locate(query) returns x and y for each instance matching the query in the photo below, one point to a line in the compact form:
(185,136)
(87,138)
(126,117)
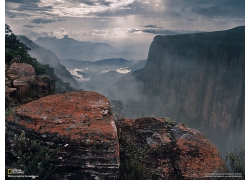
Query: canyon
(197,78)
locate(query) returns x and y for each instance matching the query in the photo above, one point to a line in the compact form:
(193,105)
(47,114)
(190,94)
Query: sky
(123,22)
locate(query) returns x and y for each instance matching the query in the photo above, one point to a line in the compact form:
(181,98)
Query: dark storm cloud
(217,10)
(26,7)
(182,9)
(151,26)
(45,21)
(93,2)
(22,1)
(30,26)
(34,7)
(168,32)
(211,8)
(162,32)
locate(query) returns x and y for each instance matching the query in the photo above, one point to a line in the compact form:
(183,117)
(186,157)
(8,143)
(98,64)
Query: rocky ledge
(80,123)
(22,84)
(175,151)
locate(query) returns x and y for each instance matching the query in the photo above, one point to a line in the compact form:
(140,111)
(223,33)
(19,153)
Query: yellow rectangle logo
(9,171)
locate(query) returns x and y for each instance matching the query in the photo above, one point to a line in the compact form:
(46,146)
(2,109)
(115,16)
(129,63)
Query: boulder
(175,151)
(80,124)
(22,69)
(22,77)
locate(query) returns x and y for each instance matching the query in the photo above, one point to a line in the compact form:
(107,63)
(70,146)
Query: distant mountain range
(99,75)
(68,48)
(74,63)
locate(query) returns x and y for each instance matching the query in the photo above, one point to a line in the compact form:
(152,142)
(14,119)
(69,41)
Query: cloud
(229,10)
(133,30)
(151,26)
(162,32)
(45,21)
(30,26)
(62,31)
(168,32)
(96,19)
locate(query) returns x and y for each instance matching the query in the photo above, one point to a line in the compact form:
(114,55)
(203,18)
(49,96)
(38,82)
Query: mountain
(99,75)
(194,78)
(99,83)
(45,56)
(68,48)
(74,63)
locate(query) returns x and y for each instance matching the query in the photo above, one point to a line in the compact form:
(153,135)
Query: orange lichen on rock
(83,120)
(198,155)
(176,152)
(21,69)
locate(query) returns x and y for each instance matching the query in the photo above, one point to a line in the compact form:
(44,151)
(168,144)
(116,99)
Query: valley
(184,103)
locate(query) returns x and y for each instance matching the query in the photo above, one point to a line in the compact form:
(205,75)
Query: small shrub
(8,111)
(32,158)
(237,161)
(132,157)
(184,124)
(169,121)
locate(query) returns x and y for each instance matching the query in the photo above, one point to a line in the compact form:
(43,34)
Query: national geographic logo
(14,171)
(18,173)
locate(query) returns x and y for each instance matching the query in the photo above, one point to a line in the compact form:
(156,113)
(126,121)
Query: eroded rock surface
(81,124)
(176,151)
(22,84)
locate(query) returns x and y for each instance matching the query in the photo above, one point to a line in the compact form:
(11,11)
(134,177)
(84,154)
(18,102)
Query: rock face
(22,83)
(176,151)
(195,78)
(79,122)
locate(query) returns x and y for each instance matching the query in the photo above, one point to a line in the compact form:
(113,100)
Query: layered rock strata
(175,151)
(80,124)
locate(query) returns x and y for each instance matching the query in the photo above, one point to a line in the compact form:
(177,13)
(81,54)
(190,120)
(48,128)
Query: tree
(14,47)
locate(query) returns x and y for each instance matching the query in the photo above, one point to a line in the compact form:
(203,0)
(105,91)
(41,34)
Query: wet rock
(81,124)
(176,151)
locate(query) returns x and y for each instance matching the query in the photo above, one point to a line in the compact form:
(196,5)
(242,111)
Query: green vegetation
(169,121)
(14,47)
(132,157)
(237,161)
(9,106)
(184,124)
(32,158)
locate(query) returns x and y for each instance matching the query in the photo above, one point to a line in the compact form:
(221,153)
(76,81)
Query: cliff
(81,126)
(195,78)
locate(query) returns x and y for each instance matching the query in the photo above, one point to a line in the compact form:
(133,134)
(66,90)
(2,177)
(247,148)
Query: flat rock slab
(79,122)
